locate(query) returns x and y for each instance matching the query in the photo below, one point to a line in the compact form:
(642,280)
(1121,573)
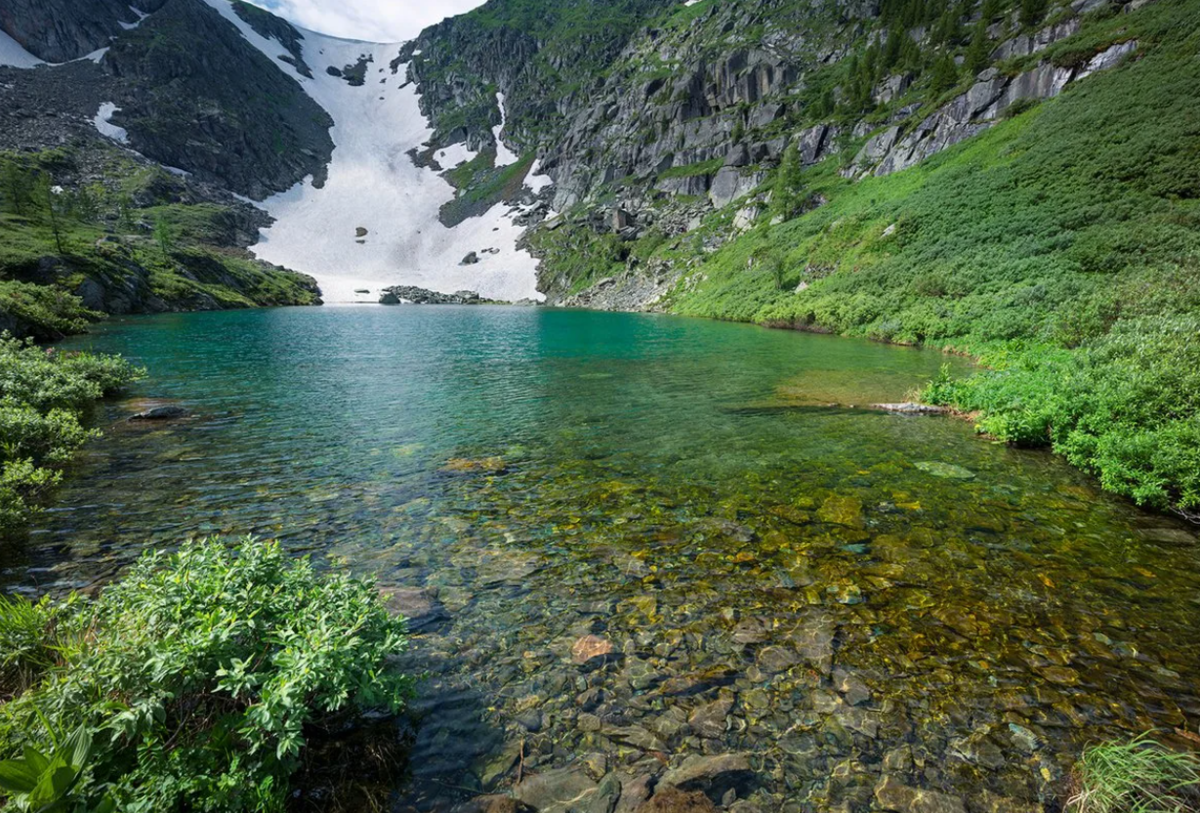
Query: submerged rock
(946,470)
(481,465)
(714,775)
(416,605)
(591,650)
(556,791)
(162,413)
(891,794)
(673,800)
(912,408)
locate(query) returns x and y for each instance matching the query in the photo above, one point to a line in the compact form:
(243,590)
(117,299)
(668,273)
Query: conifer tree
(978,54)
(787,196)
(1032,12)
(945,73)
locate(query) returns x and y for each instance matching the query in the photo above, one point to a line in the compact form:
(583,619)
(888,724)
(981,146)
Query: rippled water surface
(857,602)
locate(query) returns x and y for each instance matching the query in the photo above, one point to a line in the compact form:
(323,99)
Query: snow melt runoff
(375,221)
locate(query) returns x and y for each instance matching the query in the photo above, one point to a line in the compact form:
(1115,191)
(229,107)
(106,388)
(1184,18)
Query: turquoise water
(838,592)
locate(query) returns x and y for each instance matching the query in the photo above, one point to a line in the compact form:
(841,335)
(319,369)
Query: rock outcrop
(412,295)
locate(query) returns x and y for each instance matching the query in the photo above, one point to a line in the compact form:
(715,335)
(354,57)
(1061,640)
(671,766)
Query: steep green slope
(1062,246)
(89,229)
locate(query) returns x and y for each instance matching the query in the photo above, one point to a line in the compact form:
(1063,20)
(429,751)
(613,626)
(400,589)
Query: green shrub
(1139,776)
(43,395)
(198,674)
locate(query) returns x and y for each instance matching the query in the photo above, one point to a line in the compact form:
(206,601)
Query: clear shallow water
(839,593)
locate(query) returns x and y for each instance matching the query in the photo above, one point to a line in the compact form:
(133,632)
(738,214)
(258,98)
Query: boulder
(713,775)
(556,791)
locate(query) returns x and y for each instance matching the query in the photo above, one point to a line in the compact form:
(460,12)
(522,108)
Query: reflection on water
(659,543)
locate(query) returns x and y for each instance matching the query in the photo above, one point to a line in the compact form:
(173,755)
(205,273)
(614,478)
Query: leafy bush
(1139,775)
(43,394)
(197,675)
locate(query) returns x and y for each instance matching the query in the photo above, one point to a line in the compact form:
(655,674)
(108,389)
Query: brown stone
(590,648)
(673,800)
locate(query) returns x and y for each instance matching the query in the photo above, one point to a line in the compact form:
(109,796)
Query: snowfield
(374,186)
(12,55)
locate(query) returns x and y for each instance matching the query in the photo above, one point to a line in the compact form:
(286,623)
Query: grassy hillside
(1062,247)
(83,233)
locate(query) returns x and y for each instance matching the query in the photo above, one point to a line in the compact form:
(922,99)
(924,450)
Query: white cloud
(371,20)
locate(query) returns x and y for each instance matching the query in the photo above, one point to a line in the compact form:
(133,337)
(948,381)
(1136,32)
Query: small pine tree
(945,73)
(769,260)
(16,187)
(164,235)
(1032,12)
(787,195)
(891,50)
(992,9)
(49,196)
(979,53)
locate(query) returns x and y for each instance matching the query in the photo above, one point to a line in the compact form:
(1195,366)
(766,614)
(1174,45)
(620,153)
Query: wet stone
(673,800)
(891,794)
(496,803)
(853,689)
(714,775)
(842,510)
(709,720)
(592,651)
(813,640)
(416,605)
(530,720)
(556,791)
(773,659)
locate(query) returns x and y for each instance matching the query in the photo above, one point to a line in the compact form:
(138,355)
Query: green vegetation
(1139,776)
(193,683)
(128,234)
(43,397)
(690,170)
(482,185)
(1062,247)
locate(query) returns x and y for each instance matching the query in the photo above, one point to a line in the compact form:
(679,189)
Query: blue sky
(375,20)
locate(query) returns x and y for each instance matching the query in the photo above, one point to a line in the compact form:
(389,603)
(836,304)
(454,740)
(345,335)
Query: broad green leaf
(77,748)
(18,776)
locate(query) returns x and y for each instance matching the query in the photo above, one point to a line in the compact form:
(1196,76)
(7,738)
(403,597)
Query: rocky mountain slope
(125,150)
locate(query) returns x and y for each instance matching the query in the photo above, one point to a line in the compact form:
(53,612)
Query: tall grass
(1139,776)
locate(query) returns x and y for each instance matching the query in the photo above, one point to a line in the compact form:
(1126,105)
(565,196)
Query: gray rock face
(732,183)
(974,111)
(201,109)
(62,30)
(197,108)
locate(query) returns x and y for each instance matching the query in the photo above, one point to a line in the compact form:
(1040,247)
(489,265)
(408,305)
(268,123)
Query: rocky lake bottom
(645,552)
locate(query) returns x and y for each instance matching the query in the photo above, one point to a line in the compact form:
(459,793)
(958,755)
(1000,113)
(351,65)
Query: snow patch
(373,185)
(535,180)
(454,155)
(504,156)
(95,56)
(106,127)
(12,55)
(141,15)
